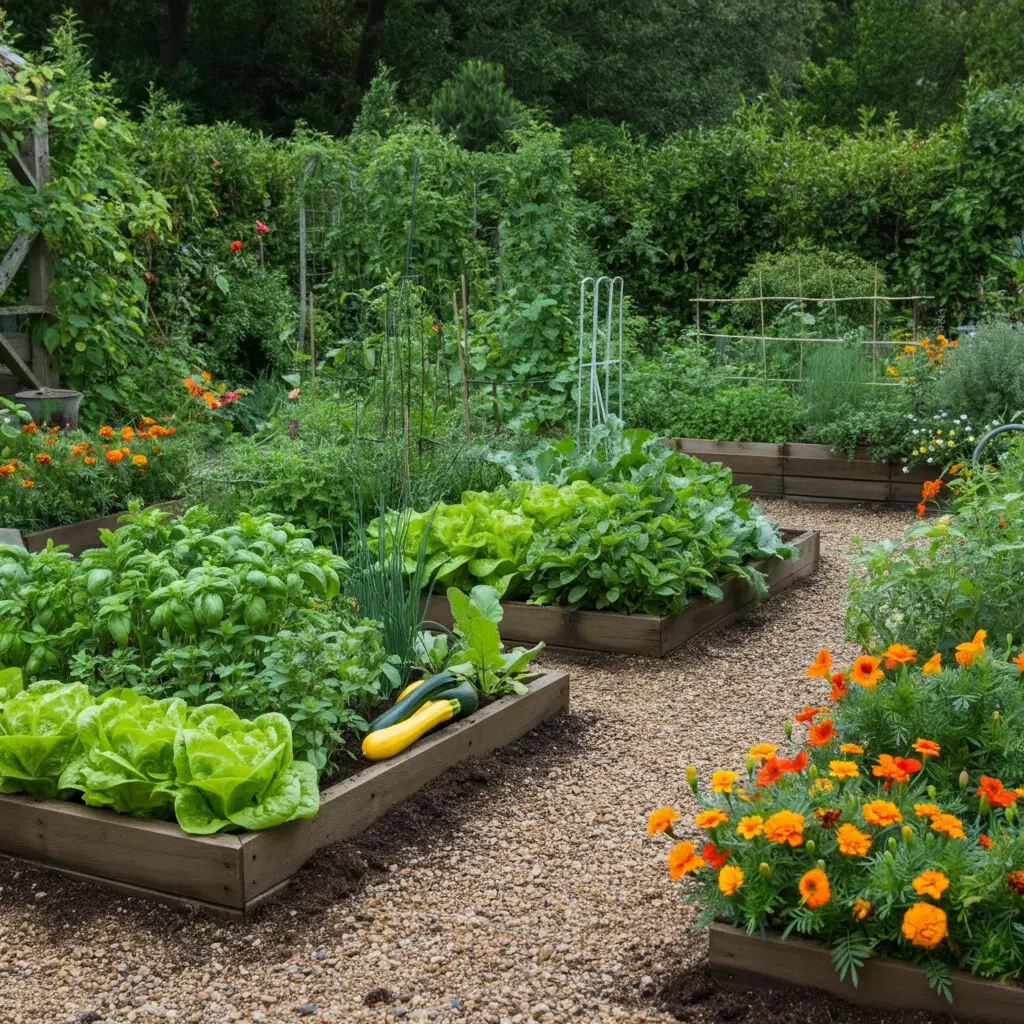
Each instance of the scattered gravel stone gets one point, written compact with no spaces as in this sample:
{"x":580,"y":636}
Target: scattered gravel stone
{"x":522,"y":887}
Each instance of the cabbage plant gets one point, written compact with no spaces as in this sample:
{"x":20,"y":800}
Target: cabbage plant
{"x":236,"y":774}
{"x":39,"y":735}
{"x":126,"y":756}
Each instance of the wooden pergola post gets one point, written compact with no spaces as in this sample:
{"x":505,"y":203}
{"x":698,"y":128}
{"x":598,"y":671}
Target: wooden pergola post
{"x":31,"y":364}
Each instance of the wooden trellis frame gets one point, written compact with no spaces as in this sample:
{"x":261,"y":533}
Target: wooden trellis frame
{"x":30,"y":365}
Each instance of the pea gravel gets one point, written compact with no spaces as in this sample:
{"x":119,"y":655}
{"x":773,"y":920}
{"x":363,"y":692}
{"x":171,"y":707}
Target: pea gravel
{"x":516,"y":890}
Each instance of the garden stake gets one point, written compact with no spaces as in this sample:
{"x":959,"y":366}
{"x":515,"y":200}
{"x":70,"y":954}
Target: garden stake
{"x":462,"y":365}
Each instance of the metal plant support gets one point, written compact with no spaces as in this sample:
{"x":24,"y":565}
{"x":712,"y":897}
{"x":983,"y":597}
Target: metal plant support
{"x":988,"y":437}
{"x":600,"y":379}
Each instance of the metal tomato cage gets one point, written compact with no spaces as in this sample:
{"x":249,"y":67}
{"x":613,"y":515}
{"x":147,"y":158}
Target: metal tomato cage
{"x":602,"y":310}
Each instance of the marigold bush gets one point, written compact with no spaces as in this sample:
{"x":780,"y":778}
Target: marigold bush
{"x":895,"y":835}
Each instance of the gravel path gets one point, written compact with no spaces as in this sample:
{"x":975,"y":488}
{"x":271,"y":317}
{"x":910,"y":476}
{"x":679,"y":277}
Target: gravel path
{"x":518,"y":889}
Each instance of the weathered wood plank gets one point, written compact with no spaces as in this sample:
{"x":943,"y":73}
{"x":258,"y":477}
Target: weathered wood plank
{"x":148,"y":854}
{"x":824,"y":487}
{"x":741,"y":962}
{"x":767,"y":485}
{"x":14,"y":257}
{"x":739,"y":456}
{"x":349,"y":807}
{"x":10,"y":358}
{"x":84,"y":535}
{"x":818,"y":460}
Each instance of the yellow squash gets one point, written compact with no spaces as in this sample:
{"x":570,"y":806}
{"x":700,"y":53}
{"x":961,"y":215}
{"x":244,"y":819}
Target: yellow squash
{"x":385,"y":743}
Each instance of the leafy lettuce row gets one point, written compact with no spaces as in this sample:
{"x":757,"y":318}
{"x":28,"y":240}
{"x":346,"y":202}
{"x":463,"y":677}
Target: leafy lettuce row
{"x":205,"y":767}
{"x":641,"y":531}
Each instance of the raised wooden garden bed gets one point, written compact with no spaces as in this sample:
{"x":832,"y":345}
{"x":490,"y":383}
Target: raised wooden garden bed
{"x":741,"y":962}
{"x":808,"y":472}
{"x":656,"y":635}
{"x":230,"y":874}
{"x":78,"y":537}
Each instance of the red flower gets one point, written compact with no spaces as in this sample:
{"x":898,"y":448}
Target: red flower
{"x":994,"y":791}
{"x":985,"y":842}
{"x":821,"y":732}
{"x":794,"y":764}
{"x":921,"y":508}
{"x":769,"y":773}
{"x":808,"y":714}
{"x":839,"y":686}
{"x":715,"y":857}
{"x":236,"y":246}
{"x":261,"y":228}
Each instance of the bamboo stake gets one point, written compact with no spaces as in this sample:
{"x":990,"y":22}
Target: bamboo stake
{"x":462,"y":365}
{"x":764,"y":343}
{"x":312,"y":353}
{"x":874,"y":331}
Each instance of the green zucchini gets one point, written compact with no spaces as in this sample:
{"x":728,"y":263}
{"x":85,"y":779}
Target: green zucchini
{"x":412,"y":701}
{"x":465,"y":693}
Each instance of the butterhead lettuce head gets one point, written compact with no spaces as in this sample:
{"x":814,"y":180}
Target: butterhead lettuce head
{"x":237,"y":774}
{"x":125,"y":759}
{"x":38,"y":736}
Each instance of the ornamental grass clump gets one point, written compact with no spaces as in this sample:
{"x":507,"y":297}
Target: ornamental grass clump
{"x":892,"y":828}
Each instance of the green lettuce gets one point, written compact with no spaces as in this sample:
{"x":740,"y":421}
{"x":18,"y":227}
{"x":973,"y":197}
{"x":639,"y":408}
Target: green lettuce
{"x":11,"y":682}
{"x":236,"y":774}
{"x":126,"y":756}
{"x":39,"y":735}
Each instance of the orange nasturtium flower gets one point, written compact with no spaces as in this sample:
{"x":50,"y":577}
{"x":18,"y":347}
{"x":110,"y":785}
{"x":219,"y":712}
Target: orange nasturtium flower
{"x":881,"y":813}
{"x":139,"y":460}
{"x":967,"y":652}
{"x":821,"y":733}
{"x":683,"y":860}
{"x":785,"y":827}
{"x":115,"y":455}
{"x":931,"y":883}
{"x":721,"y":781}
{"x":1019,"y":661}
{"x":822,"y":665}
{"x":949,"y":824}
{"x":926,"y":810}
{"x":851,"y":748}
{"x":711,"y":819}
{"x":751,"y":826}
{"x":900,"y":654}
{"x":714,"y":856}
{"x":861,"y":909}
{"x":28,"y":483}
{"x":762,"y":751}
{"x":661,"y":820}
{"x":933,"y":666}
{"x":852,"y":841}
{"x":730,"y":878}
{"x":839,"y":686}
{"x":927,"y":748}
{"x":865,"y":671}
{"x":1015,"y":880}
{"x":814,"y":888}
{"x":993,"y":789}
{"x":924,"y":925}
{"x":896,"y":769}
{"x":808,"y":713}
{"x":843,"y":769}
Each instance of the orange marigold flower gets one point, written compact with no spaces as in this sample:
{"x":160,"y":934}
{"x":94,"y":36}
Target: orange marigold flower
{"x":814,"y":888}
{"x":1015,"y":880}
{"x":828,"y":816}
{"x":967,"y":652}
{"x":711,"y":818}
{"x":115,"y":455}
{"x":149,"y":421}
{"x":762,"y":751}
{"x":139,"y":460}
{"x":843,"y":769}
{"x":785,"y":827}
{"x":985,"y":842}
{"x":924,"y":925}
{"x":1019,"y":661}
{"x":207,"y":376}
{"x":949,"y":824}
{"x":127,"y":433}
{"x":106,"y":431}
{"x":730,"y":878}
{"x":661,"y":820}
{"x":839,"y":687}
{"x":89,"y":460}
{"x":861,"y":909}
{"x":751,"y":826}
{"x":168,"y":431}
{"x":822,"y":665}
{"x":28,"y":483}
{"x":926,"y":810}
{"x":994,"y":791}
{"x":852,"y":841}
{"x":29,"y":428}
{"x":43,"y":459}
{"x":900,"y":654}
{"x":881,"y":813}
{"x":808,"y":714}
{"x":897,"y":769}
{"x":821,"y":733}
{"x":933,"y":666}
{"x":714,"y":856}
{"x":851,"y":748}
{"x":931,"y":883}
{"x":6,"y":470}
{"x":865,"y":671}
{"x":721,"y":781}
{"x":683,"y":860}
{"x":927,"y":748}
